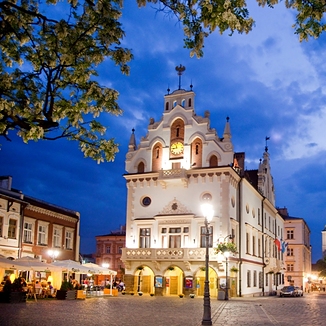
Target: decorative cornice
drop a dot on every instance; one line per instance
(51, 213)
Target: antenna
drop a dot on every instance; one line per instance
(180, 69)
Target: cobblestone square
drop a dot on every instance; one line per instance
(308, 310)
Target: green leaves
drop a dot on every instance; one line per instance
(48, 72)
(200, 18)
(226, 246)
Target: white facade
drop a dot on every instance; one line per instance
(178, 165)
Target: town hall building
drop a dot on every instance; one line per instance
(179, 164)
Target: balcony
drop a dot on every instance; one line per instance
(189, 254)
(173, 175)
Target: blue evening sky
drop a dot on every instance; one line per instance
(267, 82)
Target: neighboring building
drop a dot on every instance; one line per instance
(109, 250)
(298, 252)
(178, 165)
(30, 227)
(12, 205)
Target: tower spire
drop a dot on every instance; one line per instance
(180, 69)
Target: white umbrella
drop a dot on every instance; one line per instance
(29, 263)
(6, 263)
(73, 266)
(99, 269)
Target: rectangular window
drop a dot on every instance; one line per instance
(27, 236)
(12, 229)
(261, 281)
(247, 243)
(57, 238)
(68, 240)
(203, 237)
(248, 279)
(290, 251)
(259, 247)
(254, 246)
(175, 241)
(1, 225)
(255, 278)
(289, 234)
(41, 235)
(108, 249)
(144, 238)
(290, 267)
(120, 250)
(266, 278)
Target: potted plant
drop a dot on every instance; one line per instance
(192, 295)
(152, 294)
(226, 246)
(140, 293)
(181, 295)
(66, 291)
(234, 269)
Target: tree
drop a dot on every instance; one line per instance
(48, 88)
(321, 267)
(202, 17)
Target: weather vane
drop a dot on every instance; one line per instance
(180, 69)
(266, 147)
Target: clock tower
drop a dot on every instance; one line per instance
(181, 163)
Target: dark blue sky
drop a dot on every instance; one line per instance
(267, 82)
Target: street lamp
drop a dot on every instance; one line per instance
(208, 213)
(226, 255)
(53, 254)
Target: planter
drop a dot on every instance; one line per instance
(61, 294)
(192, 295)
(71, 294)
(181, 295)
(151, 294)
(140, 293)
(123, 292)
(12, 297)
(81, 294)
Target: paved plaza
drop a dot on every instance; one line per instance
(127, 310)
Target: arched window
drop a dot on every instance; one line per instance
(197, 149)
(183, 102)
(213, 161)
(189, 102)
(157, 157)
(141, 167)
(178, 131)
(174, 104)
(167, 106)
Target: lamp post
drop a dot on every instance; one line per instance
(53, 254)
(226, 255)
(208, 214)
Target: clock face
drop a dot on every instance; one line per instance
(177, 148)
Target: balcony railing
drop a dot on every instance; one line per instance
(188, 254)
(172, 174)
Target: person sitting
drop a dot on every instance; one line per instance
(38, 288)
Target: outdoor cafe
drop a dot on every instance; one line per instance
(43, 280)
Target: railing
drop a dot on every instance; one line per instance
(172, 174)
(166, 254)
